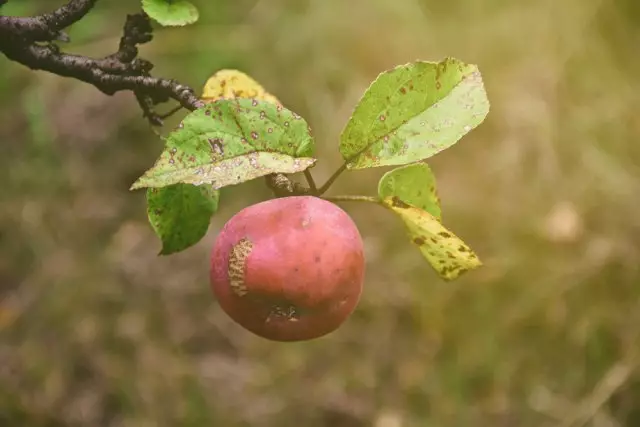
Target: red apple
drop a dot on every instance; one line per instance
(289, 269)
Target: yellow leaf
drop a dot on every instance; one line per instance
(446, 252)
(234, 84)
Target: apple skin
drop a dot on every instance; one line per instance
(289, 269)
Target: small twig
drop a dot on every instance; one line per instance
(146, 104)
(170, 112)
(332, 178)
(137, 30)
(120, 71)
(87, 70)
(312, 184)
(368, 199)
(45, 27)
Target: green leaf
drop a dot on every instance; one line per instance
(413, 112)
(446, 253)
(413, 184)
(171, 12)
(231, 141)
(180, 214)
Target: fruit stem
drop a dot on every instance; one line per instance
(333, 177)
(352, 199)
(310, 181)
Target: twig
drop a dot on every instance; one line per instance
(312, 184)
(45, 27)
(368, 199)
(20, 41)
(170, 112)
(332, 178)
(120, 71)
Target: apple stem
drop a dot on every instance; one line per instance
(352, 199)
(333, 177)
(310, 181)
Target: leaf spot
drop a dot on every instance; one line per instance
(399, 203)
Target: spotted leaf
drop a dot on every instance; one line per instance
(413, 184)
(231, 141)
(234, 84)
(171, 12)
(413, 112)
(446, 253)
(180, 214)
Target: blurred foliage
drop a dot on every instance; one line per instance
(96, 330)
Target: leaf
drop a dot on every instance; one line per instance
(413, 112)
(171, 12)
(232, 141)
(234, 84)
(180, 214)
(446, 253)
(413, 184)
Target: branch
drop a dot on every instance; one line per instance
(332, 178)
(122, 70)
(48, 26)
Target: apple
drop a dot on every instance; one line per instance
(288, 269)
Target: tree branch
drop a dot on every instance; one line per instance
(48, 26)
(122, 70)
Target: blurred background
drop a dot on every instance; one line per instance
(97, 330)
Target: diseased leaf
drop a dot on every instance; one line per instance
(413, 184)
(231, 141)
(234, 84)
(180, 214)
(171, 12)
(228, 172)
(446, 253)
(413, 112)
